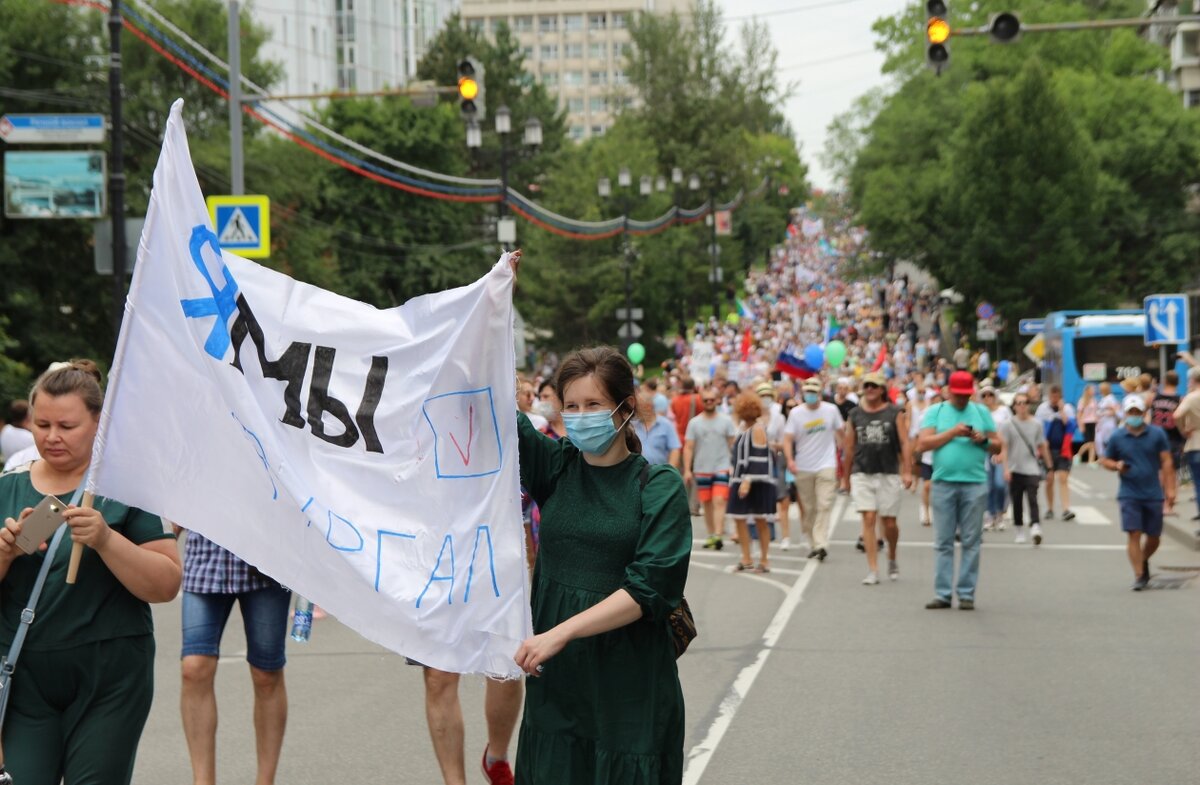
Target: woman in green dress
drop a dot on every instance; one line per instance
(603, 704)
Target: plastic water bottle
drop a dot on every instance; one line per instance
(302, 620)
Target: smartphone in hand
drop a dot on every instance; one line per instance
(40, 524)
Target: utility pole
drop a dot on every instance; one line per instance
(628, 249)
(116, 165)
(714, 249)
(236, 165)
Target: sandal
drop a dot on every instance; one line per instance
(745, 567)
(762, 568)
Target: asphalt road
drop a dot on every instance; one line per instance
(1062, 675)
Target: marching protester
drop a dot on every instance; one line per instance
(15, 433)
(997, 485)
(810, 444)
(81, 696)
(1025, 457)
(877, 464)
(776, 422)
(961, 435)
(549, 407)
(1058, 418)
(1141, 454)
(604, 705)
(709, 438)
(660, 442)
(213, 580)
(1187, 419)
(754, 492)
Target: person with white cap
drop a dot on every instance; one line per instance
(877, 463)
(1140, 453)
(810, 444)
(961, 434)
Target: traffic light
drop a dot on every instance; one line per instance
(471, 89)
(1004, 28)
(937, 34)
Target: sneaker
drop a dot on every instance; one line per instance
(820, 553)
(1068, 515)
(872, 579)
(1020, 537)
(1141, 583)
(499, 773)
(893, 570)
(718, 542)
(708, 543)
(1000, 524)
(927, 519)
(937, 604)
(860, 546)
(1146, 569)
(785, 544)
(1049, 515)
(989, 524)
(1036, 531)
(966, 605)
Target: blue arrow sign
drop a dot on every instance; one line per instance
(1031, 326)
(1166, 319)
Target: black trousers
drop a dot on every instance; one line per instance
(1024, 485)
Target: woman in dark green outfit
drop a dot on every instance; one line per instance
(604, 705)
(82, 690)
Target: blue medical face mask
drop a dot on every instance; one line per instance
(592, 432)
(811, 397)
(1135, 421)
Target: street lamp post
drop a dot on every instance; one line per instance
(505, 231)
(629, 254)
(714, 274)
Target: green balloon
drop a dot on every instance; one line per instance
(636, 353)
(835, 353)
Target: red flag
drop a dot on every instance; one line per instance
(879, 361)
(746, 345)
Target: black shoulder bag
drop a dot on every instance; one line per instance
(681, 620)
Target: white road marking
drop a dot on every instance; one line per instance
(750, 575)
(1009, 545)
(1090, 516)
(702, 753)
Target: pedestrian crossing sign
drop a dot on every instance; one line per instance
(242, 224)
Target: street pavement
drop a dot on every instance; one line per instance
(1062, 674)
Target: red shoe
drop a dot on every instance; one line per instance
(499, 773)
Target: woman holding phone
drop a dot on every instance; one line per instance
(81, 695)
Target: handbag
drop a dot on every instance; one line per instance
(681, 621)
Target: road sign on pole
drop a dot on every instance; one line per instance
(985, 311)
(629, 331)
(1035, 350)
(1167, 319)
(636, 316)
(1031, 326)
(52, 128)
(243, 224)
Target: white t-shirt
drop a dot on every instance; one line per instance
(21, 457)
(14, 439)
(1001, 415)
(1046, 413)
(814, 433)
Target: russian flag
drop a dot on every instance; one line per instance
(793, 365)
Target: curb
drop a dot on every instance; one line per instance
(1183, 532)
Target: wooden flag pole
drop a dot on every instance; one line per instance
(77, 547)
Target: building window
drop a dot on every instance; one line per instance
(598, 78)
(622, 49)
(577, 132)
(549, 52)
(575, 106)
(598, 51)
(1192, 98)
(573, 23)
(596, 21)
(475, 25)
(619, 77)
(527, 52)
(497, 23)
(285, 31)
(618, 20)
(522, 24)
(598, 130)
(548, 24)
(550, 79)
(573, 51)
(573, 78)
(597, 104)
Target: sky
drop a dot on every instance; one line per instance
(829, 50)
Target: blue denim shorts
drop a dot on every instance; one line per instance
(264, 617)
(1142, 516)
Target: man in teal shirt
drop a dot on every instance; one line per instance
(961, 435)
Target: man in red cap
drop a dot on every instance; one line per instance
(961, 434)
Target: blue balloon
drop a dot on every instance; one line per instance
(814, 356)
(1002, 370)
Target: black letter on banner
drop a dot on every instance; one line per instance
(320, 401)
(370, 402)
(289, 368)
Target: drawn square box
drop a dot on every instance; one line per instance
(466, 435)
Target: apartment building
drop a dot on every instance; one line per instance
(348, 45)
(1183, 42)
(576, 48)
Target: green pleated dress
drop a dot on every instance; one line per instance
(607, 710)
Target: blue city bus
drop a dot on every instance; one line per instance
(1087, 347)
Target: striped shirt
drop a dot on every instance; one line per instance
(210, 569)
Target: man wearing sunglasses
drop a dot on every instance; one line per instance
(706, 461)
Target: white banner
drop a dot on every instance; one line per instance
(365, 458)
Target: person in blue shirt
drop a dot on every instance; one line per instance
(1140, 453)
(660, 440)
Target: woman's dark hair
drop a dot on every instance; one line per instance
(613, 373)
(77, 377)
(548, 383)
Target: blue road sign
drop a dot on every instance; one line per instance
(242, 224)
(52, 128)
(985, 311)
(1031, 326)
(1166, 319)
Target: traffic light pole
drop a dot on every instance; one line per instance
(714, 249)
(1093, 24)
(628, 250)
